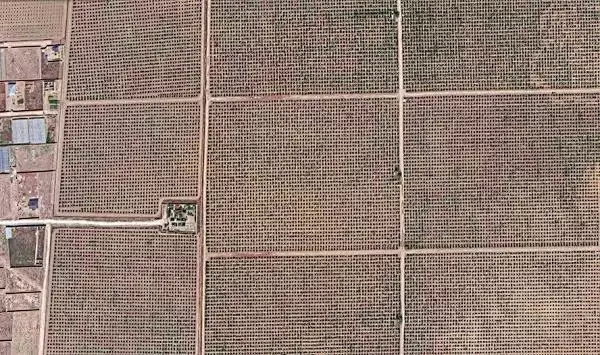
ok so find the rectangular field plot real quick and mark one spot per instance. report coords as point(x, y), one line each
point(501, 171)
point(122, 291)
point(303, 175)
point(123, 159)
point(303, 305)
point(500, 44)
point(516, 303)
point(122, 49)
point(32, 20)
point(275, 47)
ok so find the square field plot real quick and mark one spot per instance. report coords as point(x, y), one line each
point(122, 291)
point(501, 171)
point(303, 47)
point(500, 44)
point(23, 20)
point(22, 63)
point(303, 305)
point(303, 175)
point(123, 49)
point(543, 303)
point(123, 159)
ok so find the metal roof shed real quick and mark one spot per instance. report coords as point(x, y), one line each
point(37, 130)
point(4, 160)
point(20, 131)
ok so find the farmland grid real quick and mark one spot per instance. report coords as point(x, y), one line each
point(268, 255)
